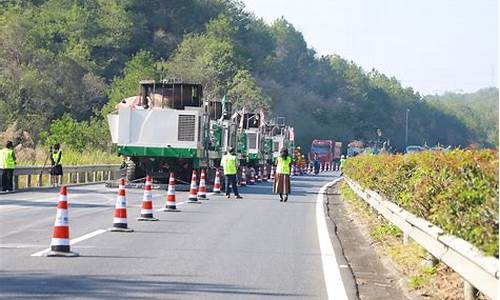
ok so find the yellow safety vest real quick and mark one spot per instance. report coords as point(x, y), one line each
point(7, 159)
point(284, 165)
point(228, 162)
point(56, 156)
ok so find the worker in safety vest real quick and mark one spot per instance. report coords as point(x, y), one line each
point(281, 184)
point(7, 166)
point(56, 171)
point(228, 163)
point(342, 163)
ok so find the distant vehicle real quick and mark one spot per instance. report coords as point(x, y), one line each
point(414, 149)
point(355, 148)
point(324, 149)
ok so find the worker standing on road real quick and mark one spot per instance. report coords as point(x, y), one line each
point(282, 181)
point(56, 171)
point(228, 163)
point(316, 163)
point(7, 166)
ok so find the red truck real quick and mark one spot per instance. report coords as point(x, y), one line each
point(324, 150)
point(328, 151)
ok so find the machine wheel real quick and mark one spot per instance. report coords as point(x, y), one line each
point(130, 175)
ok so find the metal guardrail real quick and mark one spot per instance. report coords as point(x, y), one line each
point(72, 175)
point(482, 272)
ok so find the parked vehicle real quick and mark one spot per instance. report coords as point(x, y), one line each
point(414, 149)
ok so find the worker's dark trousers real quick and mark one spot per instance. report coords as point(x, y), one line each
point(7, 178)
point(231, 179)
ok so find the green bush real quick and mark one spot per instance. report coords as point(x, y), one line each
point(455, 190)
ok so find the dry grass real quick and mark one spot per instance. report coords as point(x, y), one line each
point(439, 282)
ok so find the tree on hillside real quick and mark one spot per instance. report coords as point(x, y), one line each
point(205, 59)
point(245, 92)
point(141, 67)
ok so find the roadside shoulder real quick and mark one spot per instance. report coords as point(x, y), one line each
point(374, 277)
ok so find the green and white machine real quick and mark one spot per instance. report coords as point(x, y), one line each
point(249, 139)
point(169, 127)
point(164, 129)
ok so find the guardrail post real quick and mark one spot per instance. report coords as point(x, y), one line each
point(406, 238)
point(28, 181)
point(39, 180)
point(470, 292)
point(102, 175)
point(86, 177)
point(94, 175)
point(77, 177)
point(68, 178)
point(430, 260)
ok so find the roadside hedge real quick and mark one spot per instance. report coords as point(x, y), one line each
point(456, 190)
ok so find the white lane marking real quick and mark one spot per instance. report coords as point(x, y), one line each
point(333, 280)
point(74, 241)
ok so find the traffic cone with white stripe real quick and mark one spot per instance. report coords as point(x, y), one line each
point(259, 175)
point(193, 190)
point(60, 244)
point(120, 216)
point(217, 182)
point(264, 174)
point(243, 181)
point(170, 205)
point(202, 191)
point(147, 203)
point(252, 176)
point(273, 171)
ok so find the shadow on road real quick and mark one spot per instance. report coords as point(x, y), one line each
point(43, 285)
point(29, 203)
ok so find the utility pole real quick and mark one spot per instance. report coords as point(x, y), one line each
point(406, 130)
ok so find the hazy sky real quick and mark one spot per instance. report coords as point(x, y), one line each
point(430, 45)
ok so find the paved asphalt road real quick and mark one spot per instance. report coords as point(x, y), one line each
point(255, 248)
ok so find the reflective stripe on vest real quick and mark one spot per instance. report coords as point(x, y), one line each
point(2, 159)
point(284, 165)
point(56, 156)
point(228, 162)
point(7, 161)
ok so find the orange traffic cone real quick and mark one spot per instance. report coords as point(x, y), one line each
point(193, 190)
point(202, 191)
point(243, 181)
point(147, 203)
point(170, 204)
point(217, 182)
point(60, 244)
point(120, 217)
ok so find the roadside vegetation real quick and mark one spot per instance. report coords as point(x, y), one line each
point(431, 282)
point(455, 190)
point(30, 154)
